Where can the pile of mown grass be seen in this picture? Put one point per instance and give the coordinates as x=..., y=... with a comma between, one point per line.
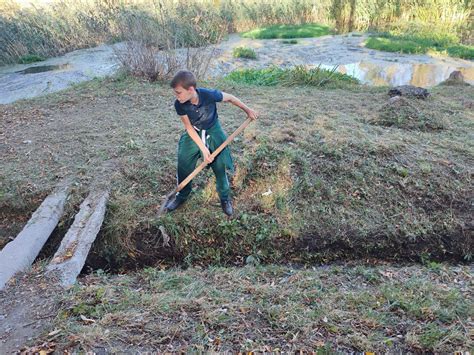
x=343, y=308
x=298, y=75
x=288, y=31
x=409, y=113
x=419, y=43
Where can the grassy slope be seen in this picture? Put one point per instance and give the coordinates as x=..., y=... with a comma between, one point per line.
x=340, y=187
x=348, y=307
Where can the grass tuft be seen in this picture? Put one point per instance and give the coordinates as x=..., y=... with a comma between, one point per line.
x=244, y=52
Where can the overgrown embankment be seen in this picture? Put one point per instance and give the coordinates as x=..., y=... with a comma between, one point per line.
x=29, y=34
x=322, y=175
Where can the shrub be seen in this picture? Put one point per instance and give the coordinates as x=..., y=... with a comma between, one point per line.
x=157, y=47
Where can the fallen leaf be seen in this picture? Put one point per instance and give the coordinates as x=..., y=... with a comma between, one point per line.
x=54, y=332
x=86, y=320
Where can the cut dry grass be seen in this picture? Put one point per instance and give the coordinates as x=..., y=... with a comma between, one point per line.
x=351, y=307
x=409, y=113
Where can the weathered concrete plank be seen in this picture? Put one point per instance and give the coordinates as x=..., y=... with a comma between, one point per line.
x=20, y=253
x=71, y=256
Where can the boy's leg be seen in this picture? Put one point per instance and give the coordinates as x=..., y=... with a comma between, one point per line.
x=188, y=154
x=222, y=182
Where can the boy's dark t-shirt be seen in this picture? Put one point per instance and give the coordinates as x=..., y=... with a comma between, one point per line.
x=204, y=114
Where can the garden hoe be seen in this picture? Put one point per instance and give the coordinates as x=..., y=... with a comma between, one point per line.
x=202, y=166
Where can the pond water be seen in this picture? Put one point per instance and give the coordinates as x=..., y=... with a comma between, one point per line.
x=348, y=52
x=22, y=81
x=43, y=68
x=393, y=74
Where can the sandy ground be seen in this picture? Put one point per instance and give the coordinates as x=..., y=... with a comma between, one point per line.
x=74, y=67
x=370, y=66
x=27, y=307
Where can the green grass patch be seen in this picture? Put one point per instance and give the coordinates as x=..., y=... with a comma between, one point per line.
x=461, y=51
x=244, y=52
x=288, y=31
x=289, y=41
x=299, y=75
x=30, y=58
x=420, y=44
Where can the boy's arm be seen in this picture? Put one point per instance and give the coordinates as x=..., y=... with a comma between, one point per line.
x=195, y=137
x=234, y=100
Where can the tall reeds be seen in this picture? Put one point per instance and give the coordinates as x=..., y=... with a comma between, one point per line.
x=65, y=25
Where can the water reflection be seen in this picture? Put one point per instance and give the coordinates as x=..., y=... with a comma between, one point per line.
x=393, y=74
x=43, y=68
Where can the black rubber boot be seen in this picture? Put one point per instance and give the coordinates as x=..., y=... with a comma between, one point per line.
x=227, y=207
x=174, y=204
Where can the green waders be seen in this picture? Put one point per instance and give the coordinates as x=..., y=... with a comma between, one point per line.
x=189, y=152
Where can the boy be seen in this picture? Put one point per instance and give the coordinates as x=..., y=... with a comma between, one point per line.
x=197, y=109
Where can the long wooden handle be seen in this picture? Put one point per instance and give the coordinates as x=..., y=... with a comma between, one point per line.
x=217, y=151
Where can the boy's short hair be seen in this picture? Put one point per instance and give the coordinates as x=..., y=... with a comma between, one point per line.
x=184, y=78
